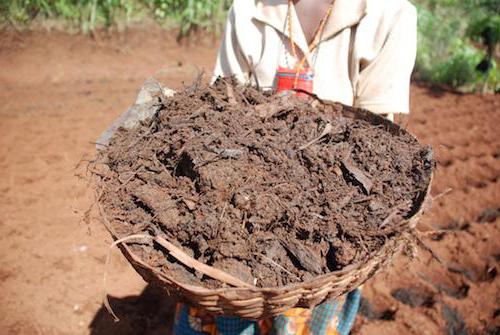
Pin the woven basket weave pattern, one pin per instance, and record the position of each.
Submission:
(258, 303)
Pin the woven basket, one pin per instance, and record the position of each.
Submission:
(258, 303)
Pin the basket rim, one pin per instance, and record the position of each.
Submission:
(310, 283)
(394, 243)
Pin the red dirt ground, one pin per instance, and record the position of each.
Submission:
(58, 92)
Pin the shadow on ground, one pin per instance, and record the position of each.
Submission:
(150, 313)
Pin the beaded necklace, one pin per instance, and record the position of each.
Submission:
(314, 43)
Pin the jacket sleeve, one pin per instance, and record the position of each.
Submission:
(230, 59)
(383, 84)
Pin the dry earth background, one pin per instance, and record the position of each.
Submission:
(59, 92)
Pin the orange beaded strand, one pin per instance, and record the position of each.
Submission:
(314, 43)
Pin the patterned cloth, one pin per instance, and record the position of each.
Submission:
(334, 317)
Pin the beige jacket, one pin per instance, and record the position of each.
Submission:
(365, 58)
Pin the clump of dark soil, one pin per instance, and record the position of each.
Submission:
(273, 190)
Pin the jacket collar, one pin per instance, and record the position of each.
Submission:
(345, 13)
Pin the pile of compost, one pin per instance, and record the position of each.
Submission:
(271, 189)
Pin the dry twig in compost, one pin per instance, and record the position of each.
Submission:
(359, 175)
(198, 266)
(327, 130)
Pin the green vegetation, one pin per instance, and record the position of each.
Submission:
(192, 15)
(88, 15)
(453, 40)
(453, 34)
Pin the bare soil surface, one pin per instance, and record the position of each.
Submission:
(59, 92)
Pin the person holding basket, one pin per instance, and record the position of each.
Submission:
(357, 52)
